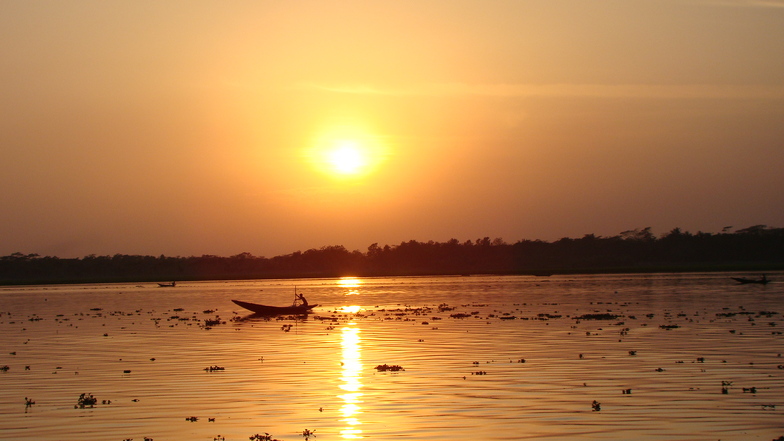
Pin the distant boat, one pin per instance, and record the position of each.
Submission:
(274, 310)
(763, 281)
(167, 285)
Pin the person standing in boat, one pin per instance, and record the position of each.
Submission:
(302, 299)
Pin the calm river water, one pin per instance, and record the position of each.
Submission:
(664, 356)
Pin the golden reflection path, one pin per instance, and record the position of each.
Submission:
(350, 283)
(351, 385)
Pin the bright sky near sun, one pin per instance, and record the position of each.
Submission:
(220, 127)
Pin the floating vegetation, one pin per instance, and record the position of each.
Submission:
(601, 316)
(208, 323)
(214, 368)
(192, 419)
(669, 327)
(307, 433)
(388, 368)
(86, 400)
(545, 316)
(596, 406)
(265, 437)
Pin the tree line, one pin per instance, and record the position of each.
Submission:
(755, 248)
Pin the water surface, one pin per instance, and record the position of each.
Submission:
(493, 358)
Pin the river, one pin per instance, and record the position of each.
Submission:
(578, 357)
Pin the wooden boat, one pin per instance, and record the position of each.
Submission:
(167, 285)
(764, 280)
(274, 310)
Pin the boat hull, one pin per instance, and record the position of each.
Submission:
(744, 280)
(274, 310)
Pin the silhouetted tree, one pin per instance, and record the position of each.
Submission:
(631, 250)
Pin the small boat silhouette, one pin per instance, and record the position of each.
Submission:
(742, 280)
(274, 310)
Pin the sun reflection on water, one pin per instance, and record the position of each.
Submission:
(351, 376)
(350, 283)
(353, 309)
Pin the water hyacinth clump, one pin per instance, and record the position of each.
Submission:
(86, 400)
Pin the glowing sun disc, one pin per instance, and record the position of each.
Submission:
(346, 153)
(347, 158)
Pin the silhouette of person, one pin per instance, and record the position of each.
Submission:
(302, 299)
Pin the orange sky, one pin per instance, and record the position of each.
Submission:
(210, 127)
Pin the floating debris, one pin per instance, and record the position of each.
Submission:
(604, 316)
(388, 368)
(208, 323)
(86, 400)
(265, 437)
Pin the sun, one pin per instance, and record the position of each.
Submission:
(347, 157)
(346, 153)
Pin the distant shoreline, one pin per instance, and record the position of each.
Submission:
(744, 268)
(753, 249)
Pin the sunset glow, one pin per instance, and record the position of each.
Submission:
(149, 128)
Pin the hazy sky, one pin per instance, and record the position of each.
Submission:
(215, 127)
